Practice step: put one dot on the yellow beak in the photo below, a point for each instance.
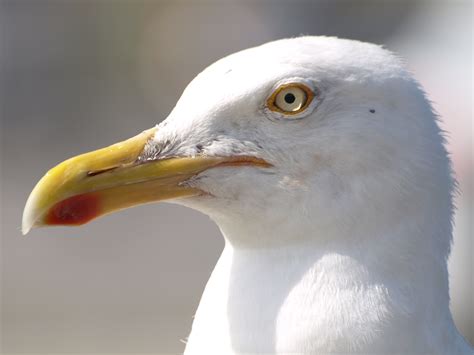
(109, 179)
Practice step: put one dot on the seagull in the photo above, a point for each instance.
(322, 162)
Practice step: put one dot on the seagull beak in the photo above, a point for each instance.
(110, 179)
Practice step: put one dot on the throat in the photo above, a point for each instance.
(307, 299)
(304, 299)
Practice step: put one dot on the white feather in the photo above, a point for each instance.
(342, 245)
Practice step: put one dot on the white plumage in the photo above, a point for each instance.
(322, 163)
(341, 246)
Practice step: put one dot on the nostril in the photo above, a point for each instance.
(101, 171)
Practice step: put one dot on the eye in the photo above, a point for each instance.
(290, 99)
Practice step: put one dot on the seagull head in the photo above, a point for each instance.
(294, 136)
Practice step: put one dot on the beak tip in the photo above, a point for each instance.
(26, 223)
(29, 217)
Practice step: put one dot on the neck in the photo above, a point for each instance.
(324, 296)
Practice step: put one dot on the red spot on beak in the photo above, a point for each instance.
(75, 210)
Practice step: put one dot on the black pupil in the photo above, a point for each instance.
(290, 98)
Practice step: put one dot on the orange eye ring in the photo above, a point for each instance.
(290, 99)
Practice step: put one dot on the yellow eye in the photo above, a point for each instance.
(290, 99)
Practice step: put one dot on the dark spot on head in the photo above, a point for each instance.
(372, 110)
(199, 148)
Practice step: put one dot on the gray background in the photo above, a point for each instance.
(79, 75)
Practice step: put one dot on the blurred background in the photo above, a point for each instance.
(79, 75)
